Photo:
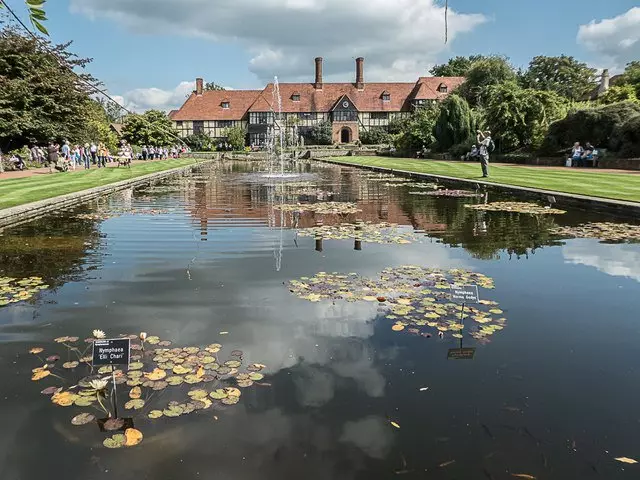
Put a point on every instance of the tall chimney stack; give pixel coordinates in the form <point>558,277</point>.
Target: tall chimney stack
<point>318,83</point>
<point>199,86</point>
<point>604,82</point>
<point>360,73</point>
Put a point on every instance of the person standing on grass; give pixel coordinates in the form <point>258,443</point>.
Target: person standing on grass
<point>486,145</point>
<point>52,155</point>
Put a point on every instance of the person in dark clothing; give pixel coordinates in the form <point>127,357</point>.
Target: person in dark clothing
<point>52,155</point>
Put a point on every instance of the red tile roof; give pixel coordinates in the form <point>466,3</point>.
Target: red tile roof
<point>427,87</point>
<point>208,106</point>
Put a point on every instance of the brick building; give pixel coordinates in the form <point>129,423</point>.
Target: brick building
<point>350,107</point>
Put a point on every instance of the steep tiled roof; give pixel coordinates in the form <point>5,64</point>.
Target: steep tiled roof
<point>369,99</point>
<point>427,87</point>
<point>208,106</point>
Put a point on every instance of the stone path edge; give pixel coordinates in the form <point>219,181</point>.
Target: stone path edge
<point>585,202</point>
<point>29,211</point>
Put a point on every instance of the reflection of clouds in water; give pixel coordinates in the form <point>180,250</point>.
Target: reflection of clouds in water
<point>314,387</point>
<point>614,260</point>
<point>372,435</point>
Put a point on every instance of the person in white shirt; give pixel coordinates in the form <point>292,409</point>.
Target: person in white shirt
<point>486,145</point>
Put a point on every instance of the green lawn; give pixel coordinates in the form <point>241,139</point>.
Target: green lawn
<point>17,191</point>
<point>619,186</point>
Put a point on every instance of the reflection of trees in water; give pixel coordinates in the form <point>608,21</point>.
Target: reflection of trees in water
<point>483,234</point>
<point>53,247</point>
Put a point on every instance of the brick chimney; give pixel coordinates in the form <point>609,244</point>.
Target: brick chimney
<point>318,83</point>
<point>604,82</point>
<point>199,86</point>
<point>360,73</point>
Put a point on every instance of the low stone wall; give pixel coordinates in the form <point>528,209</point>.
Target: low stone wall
<point>617,207</point>
<point>29,211</point>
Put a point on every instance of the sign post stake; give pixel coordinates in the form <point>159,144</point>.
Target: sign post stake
<point>115,351</point>
<point>114,398</point>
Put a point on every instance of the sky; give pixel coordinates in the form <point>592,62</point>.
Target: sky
<point>149,52</point>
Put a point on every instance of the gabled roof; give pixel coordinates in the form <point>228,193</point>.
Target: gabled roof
<point>343,98</point>
<point>427,87</point>
<point>208,106</point>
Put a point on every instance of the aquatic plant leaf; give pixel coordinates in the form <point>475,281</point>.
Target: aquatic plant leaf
<point>113,424</point>
<point>236,353</point>
<point>135,393</point>
<point>192,379</point>
<point>135,404</point>
<point>64,399</point>
<point>256,377</point>
<point>157,374</point>
<point>53,358</point>
<point>245,383</point>
<point>70,365</point>
<point>132,437</point>
<point>233,392</point>
<point>230,400</point>
<point>213,348</point>
<point>51,390</point>
<point>161,385</point>
<point>519,207</point>
<point>395,424</point>
<point>83,419</point>
<point>232,363</point>
<point>175,380</point>
<point>180,370</point>
<point>117,441</point>
<point>397,327</point>
<point>628,460</point>
<point>605,231</point>
<point>198,394</point>
<point>523,475</point>
<point>153,340</point>
<point>218,394</point>
<point>136,365</point>
<point>36,350</point>
<point>153,414</point>
<point>40,375</point>
<point>256,367</point>
<point>84,401</point>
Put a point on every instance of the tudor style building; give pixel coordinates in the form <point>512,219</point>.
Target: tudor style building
<point>350,107</point>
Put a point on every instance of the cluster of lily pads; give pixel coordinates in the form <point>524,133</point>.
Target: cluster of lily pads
<point>117,212</point>
<point>413,297</point>
<point>449,193</point>
<point>607,231</point>
<point>195,378</point>
<point>14,290</point>
<point>520,207</point>
<point>382,233</point>
<point>321,207</point>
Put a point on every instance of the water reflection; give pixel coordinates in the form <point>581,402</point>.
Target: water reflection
<point>218,258</point>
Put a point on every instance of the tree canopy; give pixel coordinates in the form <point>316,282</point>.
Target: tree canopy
<point>40,99</point>
<point>484,73</point>
<point>213,86</point>
<point>153,128</point>
<point>564,75</point>
<point>456,67</point>
<point>455,124</point>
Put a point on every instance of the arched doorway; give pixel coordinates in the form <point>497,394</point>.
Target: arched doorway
<point>345,135</point>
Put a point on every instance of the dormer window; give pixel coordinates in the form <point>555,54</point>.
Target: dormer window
<point>386,96</point>
<point>225,104</point>
<point>443,88</point>
<point>295,97</point>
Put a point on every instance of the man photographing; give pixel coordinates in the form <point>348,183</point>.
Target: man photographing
<point>486,145</point>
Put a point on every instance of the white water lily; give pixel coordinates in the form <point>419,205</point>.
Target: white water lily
<point>99,334</point>
<point>143,336</point>
<point>98,384</point>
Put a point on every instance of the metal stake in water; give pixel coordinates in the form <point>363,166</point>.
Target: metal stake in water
<point>113,394</point>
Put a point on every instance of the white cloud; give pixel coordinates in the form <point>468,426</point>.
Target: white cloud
<point>398,39</point>
<point>141,99</point>
<point>617,261</point>
<point>616,39</point>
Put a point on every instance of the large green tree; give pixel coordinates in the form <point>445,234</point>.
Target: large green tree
<point>520,117</point>
<point>631,76</point>
<point>40,98</point>
<point>213,86</point>
<point>564,75</point>
<point>455,124</point>
<point>484,73</point>
<point>417,131</point>
<point>237,138</point>
<point>456,67</point>
<point>153,127</point>
<point>619,93</point>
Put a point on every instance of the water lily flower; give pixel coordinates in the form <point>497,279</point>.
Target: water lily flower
<point>99,384</point>
<point>143,336</point>
<point>99,334</point>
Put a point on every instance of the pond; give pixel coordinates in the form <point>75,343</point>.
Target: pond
<point>338,341</point>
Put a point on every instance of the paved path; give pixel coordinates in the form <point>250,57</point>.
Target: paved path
<point>45,170</point>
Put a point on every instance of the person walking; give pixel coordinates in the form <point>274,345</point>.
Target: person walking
<point>52,155</point>
<point>87,156</point>
<point>486,145</point>
<point>93,150</point>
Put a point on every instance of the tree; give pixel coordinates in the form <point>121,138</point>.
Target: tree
<point>564,75</point>
<point>418,130</point>
<point>213,86</point>
<point>595,125</point>
<point>152,128</point>
<point>236,137</point>
<point>113,111</point>
<point>40,99</point>
<point>96,127</point>
<point>631,76</point>
<point>484,73</point>
<point>200,142</point>
<point>456,67</point>
<point>319,134</point>
<point>625,138</point>
<point>375,136</point>
<point>520,117</point>
<point>36,14</point>
<point>619,93</point>
<point>455,124</point>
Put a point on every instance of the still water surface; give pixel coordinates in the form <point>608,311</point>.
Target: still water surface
<point>554,395</point>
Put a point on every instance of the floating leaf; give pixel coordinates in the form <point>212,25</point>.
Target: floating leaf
<point>172,411</point>
<point>256,377</point>
<point>395,424</point>
<point>51,390</point>
<point>198,394</point>
<point>256,367</point>
<point>232,363</point>
<point>135,393</point>
<point>245,383</point>
<point>160,385</point>
<point>136,365</point>
<point>117,441</point>
<point>40,375</point>
<point>53,358</point>
<point>113,424</point>
<point>180,370</point>
<point>523,475</point>
<point>213,348</point>
<point>70,365</point>
<point>606,231</point>
<point>628,460</point>
<point>64,399</point>
<point>36,350</point>
<point>153,414</point>
<point>174,380</point>
<point>157,374</point>
<point>135,404</point>
<point>230,400</point>
<point>519,207</point>
<point>218,394</point>
<point>153,340</point>
<point>83,419</point>
<point>132,437</point>
<point>84,401</point>
<point>397,327</point>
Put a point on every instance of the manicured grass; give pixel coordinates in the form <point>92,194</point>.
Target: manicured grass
<point>619,186</point>
<point>17,191</point>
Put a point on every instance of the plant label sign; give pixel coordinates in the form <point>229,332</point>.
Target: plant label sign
<point>465,293</point>
<point>461,353</point>
<point>111,352</point>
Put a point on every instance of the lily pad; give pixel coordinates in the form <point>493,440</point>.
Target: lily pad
<point>83,419</point>
<point>153,414</point>
<point>519,207</point>
<point>117,441</point>
<point>135,404</point>
<point>113,424</point>
<point>70,365</point>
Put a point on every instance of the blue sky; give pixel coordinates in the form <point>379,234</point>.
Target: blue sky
<point>150,51</point>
